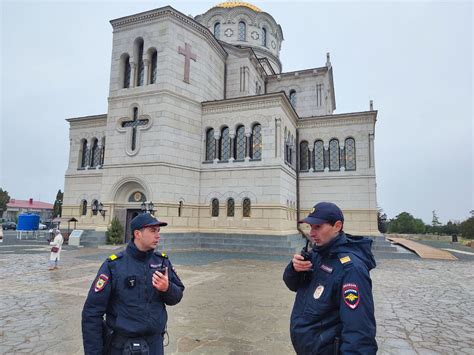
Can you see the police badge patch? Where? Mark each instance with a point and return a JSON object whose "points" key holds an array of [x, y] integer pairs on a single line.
{"points": [[101, 282], [350, 293], [318, 292]]}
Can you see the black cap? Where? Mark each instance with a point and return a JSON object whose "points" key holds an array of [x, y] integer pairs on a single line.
{"points": [[145, 220], [324, 212]]}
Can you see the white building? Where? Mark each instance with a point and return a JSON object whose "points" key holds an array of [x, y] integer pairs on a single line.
{"points": [[203, 122]]}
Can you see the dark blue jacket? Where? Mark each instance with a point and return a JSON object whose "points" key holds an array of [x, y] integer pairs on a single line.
{"points": [[124, 292], [334, 300]]}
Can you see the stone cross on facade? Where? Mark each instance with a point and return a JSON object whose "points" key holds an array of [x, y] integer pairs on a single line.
{"points": [[134, 124], [187, 59]]}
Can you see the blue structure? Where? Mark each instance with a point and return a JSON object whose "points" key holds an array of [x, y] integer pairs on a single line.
{"points": [[28, 222]]}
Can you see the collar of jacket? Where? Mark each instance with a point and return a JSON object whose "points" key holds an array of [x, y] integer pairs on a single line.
{"points": [[326, 250], [138, 254]]}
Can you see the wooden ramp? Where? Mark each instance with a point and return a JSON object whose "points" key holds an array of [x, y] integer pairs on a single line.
{"points": [[424, 251]]}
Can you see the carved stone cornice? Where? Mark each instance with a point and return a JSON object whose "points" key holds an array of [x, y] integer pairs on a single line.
{"points": [[87, 118], [352, 118], [170, 13]]}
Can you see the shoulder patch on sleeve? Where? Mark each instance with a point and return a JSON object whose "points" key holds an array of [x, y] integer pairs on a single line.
{"points": [[345, 259], [351, 295], [101, 282]]}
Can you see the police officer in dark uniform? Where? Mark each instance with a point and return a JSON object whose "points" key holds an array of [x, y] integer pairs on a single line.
{"points": [[132, 289], [334, 308]]}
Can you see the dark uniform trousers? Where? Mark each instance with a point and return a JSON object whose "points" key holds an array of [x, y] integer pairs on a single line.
{"points": [[133, 308], [333, 311]]}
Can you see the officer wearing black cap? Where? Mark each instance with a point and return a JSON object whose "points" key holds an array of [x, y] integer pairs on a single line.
{"points": [[333, 311], [132, 289]]}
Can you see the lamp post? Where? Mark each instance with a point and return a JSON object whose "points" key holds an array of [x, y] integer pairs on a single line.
{"points": [[148, 207], [99, 207]]}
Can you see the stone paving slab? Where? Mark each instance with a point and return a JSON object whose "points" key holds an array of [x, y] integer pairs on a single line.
{"points": [[424, 251], [236, 306]]}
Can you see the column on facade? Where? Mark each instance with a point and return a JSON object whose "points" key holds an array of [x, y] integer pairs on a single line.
{"points": [[133, 74], [88, 155], [146, 67], [277, 137], [326, 156], [232, 143], [217, 135], [371, 150], [342, 158], [311, 158], [248, 134]]}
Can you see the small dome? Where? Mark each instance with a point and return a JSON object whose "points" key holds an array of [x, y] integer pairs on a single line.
{"points": [[230, 4]]}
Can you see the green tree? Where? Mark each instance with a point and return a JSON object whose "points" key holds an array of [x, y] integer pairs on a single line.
{"points": [[115, 232], [58, 204], [4, 199], [467, 228], [435, 221], [381, 221], [406, 223]]}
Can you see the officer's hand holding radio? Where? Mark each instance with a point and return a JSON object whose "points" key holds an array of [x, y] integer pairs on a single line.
{"points": [[160, 280]]}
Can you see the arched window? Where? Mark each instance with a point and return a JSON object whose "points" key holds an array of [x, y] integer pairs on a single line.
{"points": [[293, 98], [83, 207], [242, 31], [240, 145], [319, 155], [180, 209], [84, 153], [224, 144], [304, 156], [264, 36], [95, 153], [102, 152], [350, 151], [210, 145], [217, 30], [256, 142], [246, 207], [127, 71], [334, 155], [94, 207], [140, 64], [215, 207], [230, 207], [154, 67]]}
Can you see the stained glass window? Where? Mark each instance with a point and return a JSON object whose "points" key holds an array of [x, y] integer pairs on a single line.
{"points": [[154, 67], [84, 153], [242, 31], [246, 207], [256, 144], [240, 143], [210, 145], [304, 156], [215, 207], [350, 154], [217, 30], [293, 98], [319, 155], [230, 207], [95, 153], [334, 155], [264, 36], [224, 146]]}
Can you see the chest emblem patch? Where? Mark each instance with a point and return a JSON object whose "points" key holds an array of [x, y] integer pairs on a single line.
{"points": [[101, 282], [318, 292], [350, 293]]}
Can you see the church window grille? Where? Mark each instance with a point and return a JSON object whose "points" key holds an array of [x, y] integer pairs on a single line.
{"points": [[84, 207], [95, 153], [319, 155], [264, 36], [102, 152], [127, 73], [246, 207], [210, 145], [180, 209], [256, 142], [293, 98], [141, 66], [134, 124], [350, 154], [230, 207], [154, 67], [215, 207], [224, 153], [94, 207], [242, 31], [217, 30], [304, 156], [334, 155], [84, 153], [240, 145]]}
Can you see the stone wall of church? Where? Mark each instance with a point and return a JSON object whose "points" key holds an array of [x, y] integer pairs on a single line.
{"points": [[243, 79], [311, 98]]}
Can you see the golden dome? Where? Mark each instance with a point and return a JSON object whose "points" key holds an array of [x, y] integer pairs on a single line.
{"points": [[230, 4]]}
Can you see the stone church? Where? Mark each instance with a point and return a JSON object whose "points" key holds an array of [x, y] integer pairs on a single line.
{"points": [[207, 131]]}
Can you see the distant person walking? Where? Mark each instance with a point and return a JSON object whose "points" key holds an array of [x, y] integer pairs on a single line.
{"points": [[56, 246]]}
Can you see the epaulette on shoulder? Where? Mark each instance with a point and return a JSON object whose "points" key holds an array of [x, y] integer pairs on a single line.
{"points": [[162, 254], [115, 256], [345, 259]]}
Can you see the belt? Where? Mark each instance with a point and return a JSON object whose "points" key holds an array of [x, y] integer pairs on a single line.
{"points": [[119, 340]]}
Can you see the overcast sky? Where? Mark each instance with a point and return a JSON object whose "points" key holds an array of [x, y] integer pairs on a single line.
{"points": [[414, 59]]}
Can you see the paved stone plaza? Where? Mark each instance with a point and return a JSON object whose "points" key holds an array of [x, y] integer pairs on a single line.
{"points": [[232, 306]]}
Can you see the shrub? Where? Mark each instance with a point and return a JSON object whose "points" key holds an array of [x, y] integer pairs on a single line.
{"points": [[115, 232]]}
